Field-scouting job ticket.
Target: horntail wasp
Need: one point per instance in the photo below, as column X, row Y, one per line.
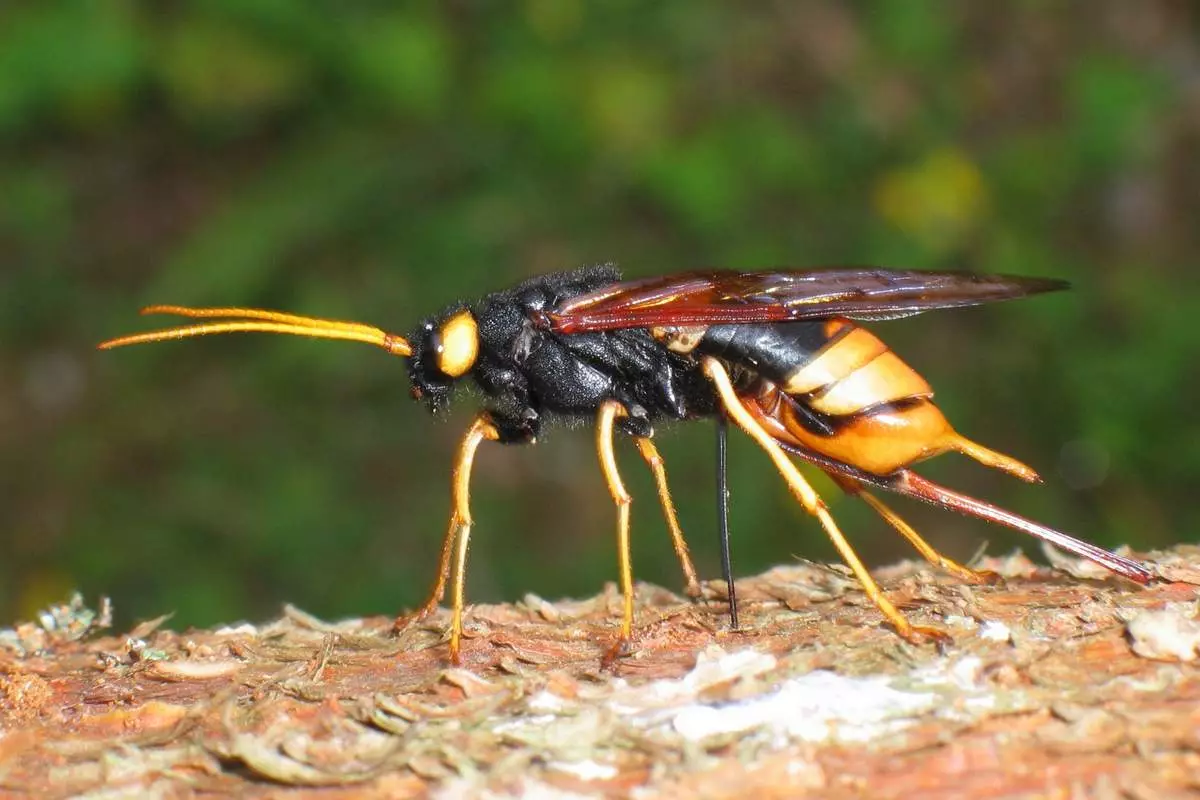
column 775, row 352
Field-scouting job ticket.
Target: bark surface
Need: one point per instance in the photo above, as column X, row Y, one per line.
column 1058, row 682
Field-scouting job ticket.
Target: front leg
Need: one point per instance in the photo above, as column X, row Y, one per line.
column 458, row 531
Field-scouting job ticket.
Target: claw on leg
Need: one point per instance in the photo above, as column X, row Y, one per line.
column 922, row 634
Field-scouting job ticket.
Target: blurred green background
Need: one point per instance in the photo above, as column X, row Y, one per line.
column 374, row 161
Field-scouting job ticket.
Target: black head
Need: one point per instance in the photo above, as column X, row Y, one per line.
column 444, row 349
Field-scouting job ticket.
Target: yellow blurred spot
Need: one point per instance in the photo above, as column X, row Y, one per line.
column 222, row 68
column 554, row 20
column 42, row 588
column 939, row 200
column 628, row 105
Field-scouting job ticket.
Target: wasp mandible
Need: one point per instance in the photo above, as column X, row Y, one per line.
column 778, row 353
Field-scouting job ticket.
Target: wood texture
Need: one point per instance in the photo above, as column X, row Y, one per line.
column 1056, row 684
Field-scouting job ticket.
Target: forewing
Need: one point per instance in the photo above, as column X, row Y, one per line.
column 711, row 298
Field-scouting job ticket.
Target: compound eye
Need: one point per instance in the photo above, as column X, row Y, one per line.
column 456, row 345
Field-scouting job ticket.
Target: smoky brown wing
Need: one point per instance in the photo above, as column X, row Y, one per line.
column 716, row 297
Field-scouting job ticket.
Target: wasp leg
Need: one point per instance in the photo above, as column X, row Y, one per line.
column 458, row 531
column 610, row 410
column 853, row 487
column 812, row 503
column 655, row 462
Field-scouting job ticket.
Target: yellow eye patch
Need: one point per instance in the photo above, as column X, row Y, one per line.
column 458, row 344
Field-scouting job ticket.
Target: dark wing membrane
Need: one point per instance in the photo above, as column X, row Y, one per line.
column 713, row 298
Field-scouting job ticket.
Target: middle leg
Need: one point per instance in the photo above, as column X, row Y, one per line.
column 655, row 462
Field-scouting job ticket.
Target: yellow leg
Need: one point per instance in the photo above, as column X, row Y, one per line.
column 908, row 532
column 655, row 462
column 610, row 410
column 458, row 531
column 811, row 502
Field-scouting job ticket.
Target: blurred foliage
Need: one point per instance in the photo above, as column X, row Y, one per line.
column 375, row 160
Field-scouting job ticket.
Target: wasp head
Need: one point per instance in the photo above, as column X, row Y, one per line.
column 444, row 349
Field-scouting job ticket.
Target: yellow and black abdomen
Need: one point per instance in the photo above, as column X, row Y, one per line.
column 835, row 388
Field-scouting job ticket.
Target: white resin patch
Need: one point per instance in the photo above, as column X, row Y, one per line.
column 816, row 707
column 1171, row 633
column 995, row 631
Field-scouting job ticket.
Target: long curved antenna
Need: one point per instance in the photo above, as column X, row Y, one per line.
column 247, row 320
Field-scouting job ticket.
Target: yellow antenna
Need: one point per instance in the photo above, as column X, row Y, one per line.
column 246, row 320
